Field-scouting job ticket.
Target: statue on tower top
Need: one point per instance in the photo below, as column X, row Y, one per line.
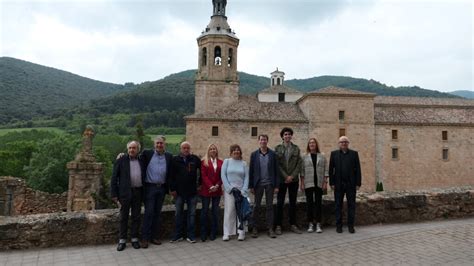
column 219, row 7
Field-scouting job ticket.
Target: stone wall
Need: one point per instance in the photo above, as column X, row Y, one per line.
column 101, row 226
column 420, row 164
column 19, row 199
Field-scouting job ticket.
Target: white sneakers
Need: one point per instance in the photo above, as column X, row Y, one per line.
column 318, row 228
column 241, row 236
column 311, row 228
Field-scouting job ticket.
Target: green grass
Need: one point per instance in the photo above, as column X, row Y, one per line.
column 171, row 139
column 5, row 131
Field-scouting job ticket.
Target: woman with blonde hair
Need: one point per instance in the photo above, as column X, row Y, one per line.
column 211, row 191
column 235, row 176
column 314, row 176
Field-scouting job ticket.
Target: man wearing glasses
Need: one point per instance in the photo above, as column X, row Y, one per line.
column 345, row 178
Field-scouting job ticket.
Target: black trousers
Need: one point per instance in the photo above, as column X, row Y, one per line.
column 292, row 193
column 259, row 191
column 350, row 192
column 314, row 198
column 135, row 204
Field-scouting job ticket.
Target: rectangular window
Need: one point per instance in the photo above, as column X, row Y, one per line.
column 342, row 115
column 445, row 135
column 445, row 154
column 254, row 131
column 342, row 132
column 215, row 131
column 394, row 153
column 281, row 97
column 394, row 134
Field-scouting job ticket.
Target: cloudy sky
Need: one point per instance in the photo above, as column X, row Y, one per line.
column 397, row 42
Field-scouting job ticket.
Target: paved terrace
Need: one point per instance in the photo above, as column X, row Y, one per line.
column 449, row 242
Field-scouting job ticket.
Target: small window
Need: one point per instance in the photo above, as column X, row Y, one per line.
column 445, row 135
column 394, row 153
column 445, row 154
column 229, row 58
column 281, row 97
column 204, row 56
column 215, row 131
column 342, row 115
column 254, row 131
column 278, row 81
column 342, row 132
column 394, row 134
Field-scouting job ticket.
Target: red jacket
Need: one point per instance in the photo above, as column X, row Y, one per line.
column 211, row 178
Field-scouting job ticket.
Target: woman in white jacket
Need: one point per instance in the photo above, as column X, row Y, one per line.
column 314, row 179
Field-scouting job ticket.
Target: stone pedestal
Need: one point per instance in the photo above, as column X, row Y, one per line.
column 84, row 176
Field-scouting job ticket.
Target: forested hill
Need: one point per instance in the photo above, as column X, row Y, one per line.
column 29, row 90
column 464, row 93
column 176, row 92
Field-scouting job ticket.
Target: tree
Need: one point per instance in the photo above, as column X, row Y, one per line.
column 47, row 168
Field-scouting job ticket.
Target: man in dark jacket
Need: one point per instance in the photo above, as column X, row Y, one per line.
column 184, row 181
column 126, row 190
column 263, row 177
column 157, row 163
column 345, row 178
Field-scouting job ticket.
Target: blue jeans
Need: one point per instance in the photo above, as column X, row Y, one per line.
column 191, row 215
column 214, row 216
column 154, row 197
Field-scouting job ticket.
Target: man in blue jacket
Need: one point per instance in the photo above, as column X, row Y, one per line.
column 263, row 178
column 126, row 189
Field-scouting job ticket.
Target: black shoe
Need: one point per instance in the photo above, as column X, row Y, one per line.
column 339, row 229
column 351, row 229
column 203, row 239
column 212, row 237
column 135, row 245
column 121, row 246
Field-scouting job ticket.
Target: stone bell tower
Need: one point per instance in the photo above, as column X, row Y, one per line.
column 217, row 82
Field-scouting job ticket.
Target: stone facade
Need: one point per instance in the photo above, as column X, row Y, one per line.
column 368, row 120
column 101, row 227
column 16, row 198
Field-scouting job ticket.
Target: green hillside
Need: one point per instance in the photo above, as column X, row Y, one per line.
column 29, row 90
column 38, row 96
column 464, row 93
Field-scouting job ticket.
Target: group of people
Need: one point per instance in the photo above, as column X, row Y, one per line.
column 148, row 176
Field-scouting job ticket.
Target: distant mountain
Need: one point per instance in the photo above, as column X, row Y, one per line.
column 31, row 91
column 176, row 91
column 28, row 90
column 463, row 93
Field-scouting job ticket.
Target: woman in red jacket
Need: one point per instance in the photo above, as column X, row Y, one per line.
column 211, row 190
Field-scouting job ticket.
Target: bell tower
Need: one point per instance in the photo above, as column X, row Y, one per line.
column 217, row 81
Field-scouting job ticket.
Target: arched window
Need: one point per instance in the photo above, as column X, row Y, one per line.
column 278, row 81
column 229, row 59
column 217, row 56
column 273, row 82
column 204, row 56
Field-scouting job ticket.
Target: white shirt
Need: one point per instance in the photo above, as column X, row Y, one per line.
column 214, row 163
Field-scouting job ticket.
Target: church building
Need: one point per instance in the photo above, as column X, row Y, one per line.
column 403, row 142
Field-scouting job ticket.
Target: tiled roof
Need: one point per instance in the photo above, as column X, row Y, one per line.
column 401, row 100
column 338, row 90
column 423, row 115
column 248, row 108
column 279, row 88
